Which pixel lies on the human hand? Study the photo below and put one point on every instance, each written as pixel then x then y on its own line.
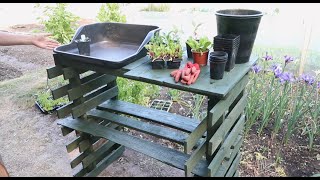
pixel 43 41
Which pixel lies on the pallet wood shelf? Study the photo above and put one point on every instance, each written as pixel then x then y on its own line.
pixel 211 146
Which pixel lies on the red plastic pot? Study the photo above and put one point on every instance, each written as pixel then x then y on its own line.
pixel 201 59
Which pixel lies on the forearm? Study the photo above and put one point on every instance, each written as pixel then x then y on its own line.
pixel 9 39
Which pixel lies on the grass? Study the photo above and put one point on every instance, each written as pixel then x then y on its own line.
pixel 162 7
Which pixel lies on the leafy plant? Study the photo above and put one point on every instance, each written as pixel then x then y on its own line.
pixel 110 12
pixel 135 91
pixel 47 103
pixel 60 22
pixel 200 46
pixel 165 47
pixel 162 7
pixel 195 29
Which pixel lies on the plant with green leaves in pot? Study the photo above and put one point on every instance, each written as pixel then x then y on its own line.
pixel 165 48
pixel 195 36
pixel 200 49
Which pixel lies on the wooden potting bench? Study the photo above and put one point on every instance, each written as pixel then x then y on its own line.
pixel 211 146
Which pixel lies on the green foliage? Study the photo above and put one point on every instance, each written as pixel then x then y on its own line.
pixel 286 107
pixel 165 46
pixel 135 91
pixel 60 22
pixel 110 12
pixel 199 46
pixel 174 94
pixel 162 7
pixel 47 103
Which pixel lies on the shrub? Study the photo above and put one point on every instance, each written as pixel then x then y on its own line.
pixel 110 12
pixel 58 21
pixel 162 7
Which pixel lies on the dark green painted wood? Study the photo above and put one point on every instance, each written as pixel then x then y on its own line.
pixel 234 166
pixel 78 159
pixel 89 86
pixel 54 71
pixel 92 103
pixel 65 131
pixel 103 150
pixel 70 72
pixel 217 111
pixel 194 159
pixel 169 156
pixel 214 164
pixel 74 144
pixel 168 119
pixel 137 63
pixel 226 125
pixel 226 163
pixel 204 85
pixel 106 162
pixel 80 173
pixel 236 174
pixel 194 137
pixel 147 128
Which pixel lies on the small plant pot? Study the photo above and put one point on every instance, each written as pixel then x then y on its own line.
pixel 218 60
pixel 189 53
pixel 228 43
pixel 40 108
pixel 158 64
pixel 83 47
pixel 174 64
pixel 201 59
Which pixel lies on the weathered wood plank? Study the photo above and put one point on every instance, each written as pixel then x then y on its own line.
pixel 106 162
pixel 217 111
pixel 236 174
pixel 103 150
pixel 92 103
pixel 226 163
pixel 226 125
pixel 63 90
pixel 89 86
pixel 70 72
pixel 194 137
pixel 234 166
pixel 194 159
pixel 74 144
pixel 65 131
pixel 169 156
pixel 214 164
pixel 54 71
pixel 151 129
pixel 168 119
pixel 136 63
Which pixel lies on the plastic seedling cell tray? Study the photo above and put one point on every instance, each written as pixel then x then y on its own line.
pixel 161 105
pixel 112 45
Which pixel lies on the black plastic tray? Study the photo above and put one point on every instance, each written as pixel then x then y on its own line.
pixel 112 45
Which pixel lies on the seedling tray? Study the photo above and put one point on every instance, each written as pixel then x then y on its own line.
pixel 112 45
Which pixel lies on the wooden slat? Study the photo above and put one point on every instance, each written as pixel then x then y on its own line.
pixel 74 144
pixel 236 174
pixel 234 166
pixel 54 71
pixel 216 161
pixel 151 129
pixel 65 131
pixel 92 103
pixel 194 137
pixel 103 150
pixel 78 159
pixel 220 134
pixel 63 90
pixel 70 72
pixel 169 156
pixel 168 119
pixel 106 162
pixel 89 86
pixel 217 111
pixel 226 163
pixel 194 159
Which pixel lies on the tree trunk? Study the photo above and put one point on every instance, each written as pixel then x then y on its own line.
pixel 3 170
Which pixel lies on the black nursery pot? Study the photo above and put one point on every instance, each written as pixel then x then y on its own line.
pixel 228 43
pixel 158 64
pixel 218 60
pixel 189 53
pixel 83 47
pixel 174 64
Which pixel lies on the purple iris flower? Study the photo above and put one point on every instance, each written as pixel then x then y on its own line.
pixel 255 68
pixel 286 77
pixel 267 57
pixel 277 70
pixel 307 79
pixel 288 59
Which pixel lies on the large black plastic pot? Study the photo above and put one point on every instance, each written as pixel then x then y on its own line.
pixel 243 22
